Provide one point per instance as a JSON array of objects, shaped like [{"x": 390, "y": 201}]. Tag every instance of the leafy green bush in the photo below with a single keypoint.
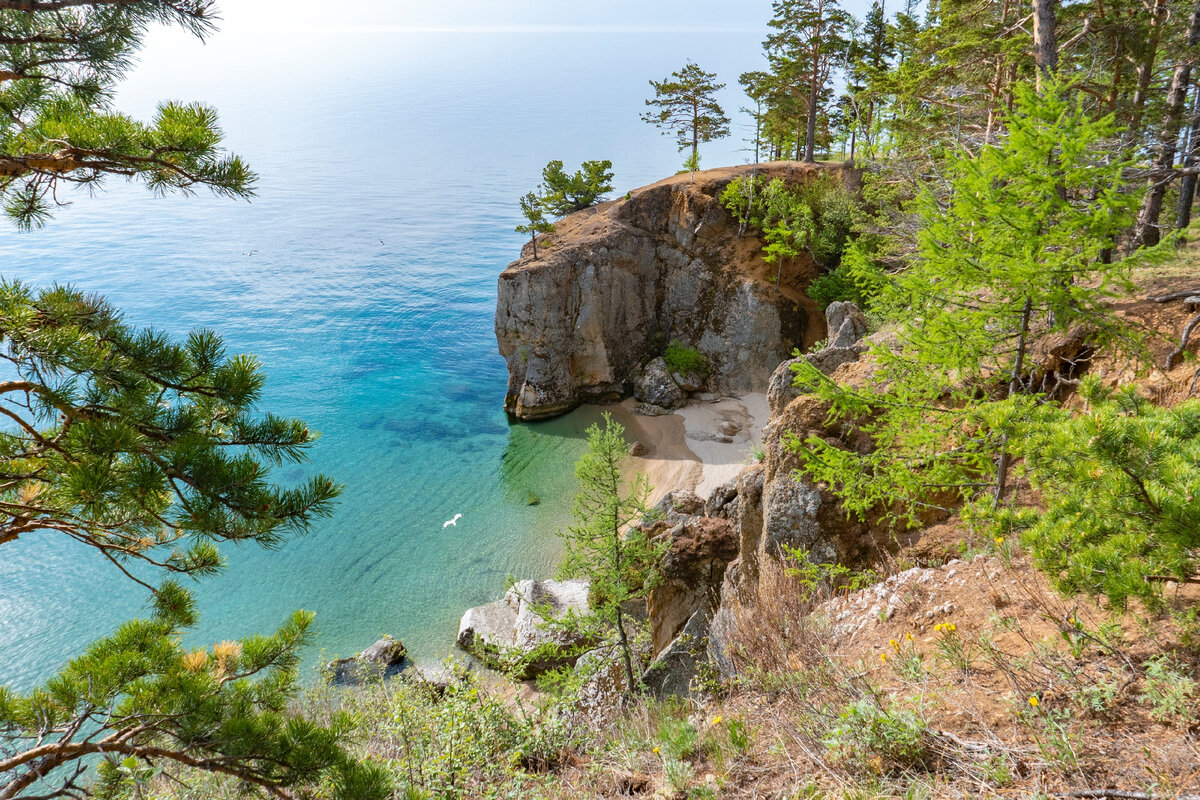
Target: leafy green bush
[
  {"x": 684, "y": 360},
  {"x": 856, "y": 279},
  {"x": 867, "y": 734}
]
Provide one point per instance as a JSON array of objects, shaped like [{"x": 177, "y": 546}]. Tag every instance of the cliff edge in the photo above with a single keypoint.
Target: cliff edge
[{"x": 616, "y": 283}]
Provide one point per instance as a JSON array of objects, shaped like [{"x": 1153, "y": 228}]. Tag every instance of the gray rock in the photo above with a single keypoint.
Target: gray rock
[
  {"x": 718, "y": 502},
  {"x": 846, "y": 322},
  {"x": 706, "y": 397},
  {"x": 498, "y": 633},
  {"x": 831, "y": 358},
  {"x": 656, "y": 386},
  {"x": 637, "y": 449},
  {"x": 672, "y": 670},
  {"x": 688, "y": 381},
  {"x": 729, "y": 428},
  {"x": 681, "y": 501},
  {"x": 381, "y": 659},
  {"x": 651, "y": 410}
]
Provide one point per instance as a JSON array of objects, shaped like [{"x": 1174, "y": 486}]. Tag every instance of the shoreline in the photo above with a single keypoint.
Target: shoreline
[{"x": 698, "y": 447}]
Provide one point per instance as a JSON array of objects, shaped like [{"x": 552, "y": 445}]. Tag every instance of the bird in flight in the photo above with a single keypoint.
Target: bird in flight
[{"x": 453, "y": 522}]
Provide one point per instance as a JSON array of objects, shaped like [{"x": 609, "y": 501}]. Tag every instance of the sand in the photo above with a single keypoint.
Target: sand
[{"x": 688, "y": 449}]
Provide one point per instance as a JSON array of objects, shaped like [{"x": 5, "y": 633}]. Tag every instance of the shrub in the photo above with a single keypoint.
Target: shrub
[
  {"x": 684, "y": 360},
  {"x": 868, "y": 734}
]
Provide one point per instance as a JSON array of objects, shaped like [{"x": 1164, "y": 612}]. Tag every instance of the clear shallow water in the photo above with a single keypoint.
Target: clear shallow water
[{"x": 364, "y": 277}]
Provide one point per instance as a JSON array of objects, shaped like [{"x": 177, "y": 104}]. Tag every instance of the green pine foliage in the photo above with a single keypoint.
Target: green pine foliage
[
  {"x": 139, "y": 707},
  {"x": 58, "y": 68},
  {"x": 563, "y": 194},
  {"x": 1120, "y": 486},
  {"x": 618, "y": 557},
  {"x": 535, "y": 219},
  {"x": 1017, "y": 246},
  {"x": 685, "y": 105},
  {"x": 144, "y": 448}
]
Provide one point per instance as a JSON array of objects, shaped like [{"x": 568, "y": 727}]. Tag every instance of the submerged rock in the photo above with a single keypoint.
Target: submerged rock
[{"x": 381, "y": 659}]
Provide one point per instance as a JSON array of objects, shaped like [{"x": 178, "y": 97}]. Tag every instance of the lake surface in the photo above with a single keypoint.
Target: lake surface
[{"x": 364, "y": 277}]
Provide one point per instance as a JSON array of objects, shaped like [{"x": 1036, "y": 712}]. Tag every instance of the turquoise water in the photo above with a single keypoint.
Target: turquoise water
[{"x": 364, "y": 277}]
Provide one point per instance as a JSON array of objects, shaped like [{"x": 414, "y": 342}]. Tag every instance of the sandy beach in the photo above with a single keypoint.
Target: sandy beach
[{"x": 699, "y": 447}]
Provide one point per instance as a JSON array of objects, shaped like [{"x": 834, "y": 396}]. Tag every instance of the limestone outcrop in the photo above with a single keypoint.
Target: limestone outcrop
[
  {"x": 503, "y": 634},
  {"x": 618, "y": 282},
  {"x": 382, "y": 659}
]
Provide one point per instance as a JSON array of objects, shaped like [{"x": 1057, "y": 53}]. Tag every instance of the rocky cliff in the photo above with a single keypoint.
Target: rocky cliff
[{"x": 616, "y": 283}]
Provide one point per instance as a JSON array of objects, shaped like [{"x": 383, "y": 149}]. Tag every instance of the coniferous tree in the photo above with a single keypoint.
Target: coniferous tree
[
  {"x": 536, "y": 222},
  {"x": 1016, "y": 245},
  {"x": 685, "y": 105},
  {"x": 564, "y": 194},
  {"x": 58, "y": 65},
  {"x": 618, "y": 558},
  {"x": 809, "y": 42}
]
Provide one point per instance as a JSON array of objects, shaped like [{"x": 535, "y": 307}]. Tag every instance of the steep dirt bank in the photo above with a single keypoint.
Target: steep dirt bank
[{"x": 616, "y": 283}]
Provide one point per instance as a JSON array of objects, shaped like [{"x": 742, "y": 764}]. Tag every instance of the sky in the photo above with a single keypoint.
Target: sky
[{"x": 498, "y": 15}]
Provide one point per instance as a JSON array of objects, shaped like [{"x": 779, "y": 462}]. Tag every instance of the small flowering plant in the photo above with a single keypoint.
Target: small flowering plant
[
  {"x": 955, "y": 650},
  {"x": 904, "y": 658}
]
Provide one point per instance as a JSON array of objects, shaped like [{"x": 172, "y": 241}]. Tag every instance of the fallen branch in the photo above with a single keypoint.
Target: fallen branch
[
  {"x": 1166, "y": 298},
  {"x": 1183, "y": 342}
]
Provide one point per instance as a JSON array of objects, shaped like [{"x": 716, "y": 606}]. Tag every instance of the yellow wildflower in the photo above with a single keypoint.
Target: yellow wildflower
[
  {"x": 717, "y": 720},
  {"x": 1033, "y": 701},
  {"x": 999, "y": 540},
  {"x": 895, "y": 645},
  {"x": 883, "y": 657},
  {"x": 656, "y": 751},
  {"x": 908, "y": 636}
]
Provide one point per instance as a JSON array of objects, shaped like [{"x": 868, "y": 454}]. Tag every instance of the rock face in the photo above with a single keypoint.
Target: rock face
[
  {"x": 502, "y": 632},
  {"x": 382, "y": 658},
  {"x": 673, "y": 668},
  {"x": 623, "y": 279},
  {"x": 846, "y": 323}
]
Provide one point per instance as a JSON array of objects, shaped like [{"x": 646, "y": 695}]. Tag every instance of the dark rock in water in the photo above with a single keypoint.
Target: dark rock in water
[
  {"x": 656, "y": 386},
  {"x": 846, "y": 322},
  {"x": 382, "y": 659},
  {"x": 672, "y": 671},
  {"x": 532, "y": 499},
  {"x": 650, "y": 410},
  {"x": 500, "y": 634},
  {"x": 637, "y": 449}
]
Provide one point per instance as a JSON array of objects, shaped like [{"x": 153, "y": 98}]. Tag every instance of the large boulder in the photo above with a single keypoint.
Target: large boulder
[
  {"x": 846, "y": 322},
  {"x": 505, "y": 634},
  {"x": 692, "y": 571},
  {"x": 381, "y": 659},
  {"x": 672, "y": 671},
  {"x": 656, "y": 386}
]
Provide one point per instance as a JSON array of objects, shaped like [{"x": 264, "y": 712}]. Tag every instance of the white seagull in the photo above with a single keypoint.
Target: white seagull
[{"x": 453, "y": 522}]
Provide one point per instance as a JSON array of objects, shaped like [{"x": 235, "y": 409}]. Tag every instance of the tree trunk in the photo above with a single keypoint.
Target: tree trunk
[
  {"x": 1145, "y": 72},
  {"x": 1187, "y": 188},
  {"x": 1045, "y": 44},
  {"x": 1014, "y": 383},
  {"x": 1147, "y": 233},
  {"x": 811, "y": 127}
]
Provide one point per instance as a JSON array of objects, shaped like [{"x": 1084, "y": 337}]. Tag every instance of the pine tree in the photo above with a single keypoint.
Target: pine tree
[
  {"x": 564, "y": 194},
  {"x": 58, "y": 66},
  {"x": 809, "y": 42},
  {"x": 620, "y": 559},
  {"x": 686, "y": 106},
  {"x": 536, "y": 222}
]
